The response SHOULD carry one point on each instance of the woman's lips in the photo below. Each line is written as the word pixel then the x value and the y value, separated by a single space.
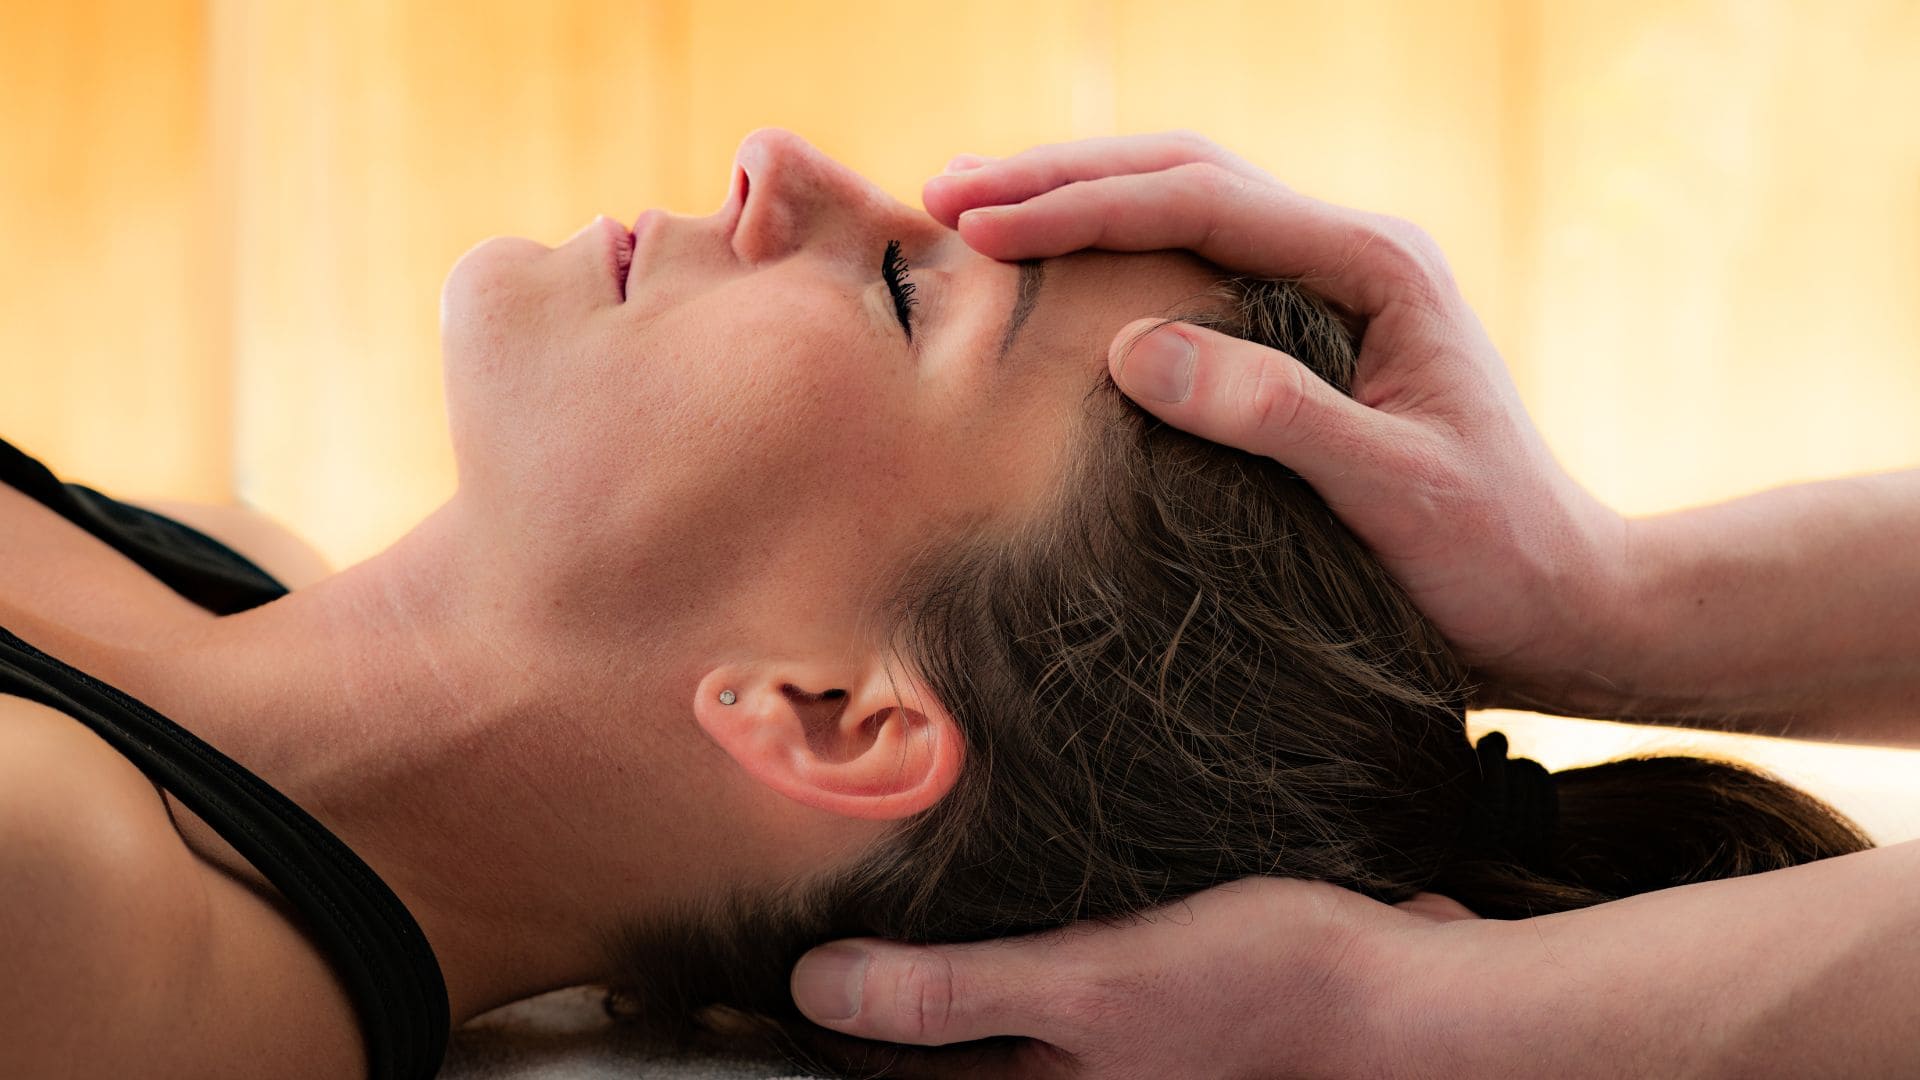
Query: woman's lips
pixel 619 251
pixel 637 239
pixel 642 226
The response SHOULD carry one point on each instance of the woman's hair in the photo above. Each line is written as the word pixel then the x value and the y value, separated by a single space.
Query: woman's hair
pixel 1189 673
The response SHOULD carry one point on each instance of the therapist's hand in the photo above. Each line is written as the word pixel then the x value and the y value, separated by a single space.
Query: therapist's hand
pixel 1264 977
pixel 1433 462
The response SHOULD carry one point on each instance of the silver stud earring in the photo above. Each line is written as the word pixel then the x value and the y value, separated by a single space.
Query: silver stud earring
pixel 727 698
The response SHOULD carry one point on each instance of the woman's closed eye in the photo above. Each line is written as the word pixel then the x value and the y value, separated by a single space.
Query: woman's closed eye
pixel 893 268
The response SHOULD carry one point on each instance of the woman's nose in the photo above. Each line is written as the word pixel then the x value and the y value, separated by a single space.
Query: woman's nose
pixel 796 195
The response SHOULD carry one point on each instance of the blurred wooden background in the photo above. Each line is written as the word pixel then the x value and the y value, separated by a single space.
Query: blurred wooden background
pixel 1692 227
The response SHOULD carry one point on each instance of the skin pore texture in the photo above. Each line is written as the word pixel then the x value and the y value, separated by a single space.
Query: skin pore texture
pixel 707 479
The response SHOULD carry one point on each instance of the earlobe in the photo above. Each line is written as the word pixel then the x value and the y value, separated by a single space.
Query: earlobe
pixel 876 745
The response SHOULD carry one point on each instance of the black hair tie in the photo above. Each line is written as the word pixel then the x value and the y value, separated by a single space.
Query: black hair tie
pixel 1516 807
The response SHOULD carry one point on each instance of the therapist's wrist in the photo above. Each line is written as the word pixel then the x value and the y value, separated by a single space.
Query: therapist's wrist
pixel 1637 656
pixel 1362 1001
pixel 1576 995
pixel 1586 598
pixel 1408 994
pixel 1416 999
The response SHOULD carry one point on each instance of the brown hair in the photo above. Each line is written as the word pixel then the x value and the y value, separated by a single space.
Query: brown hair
pixel 1190 673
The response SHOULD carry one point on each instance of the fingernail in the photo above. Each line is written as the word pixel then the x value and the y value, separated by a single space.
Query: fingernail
pixel 827 982
pixel 980 212
pixel 966 162
pixel 1159 367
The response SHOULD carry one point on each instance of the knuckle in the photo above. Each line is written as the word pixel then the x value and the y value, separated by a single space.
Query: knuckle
pixel 1207 188
pixel 1407 237
pixel 1185 143
pixel 1276 401
pixel 1207 179
pixel 924 996
pixel 1416 258
pixel 1193 142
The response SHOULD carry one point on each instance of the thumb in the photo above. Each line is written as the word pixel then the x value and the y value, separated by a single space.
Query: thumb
pixel 927 995
pixel 1248 396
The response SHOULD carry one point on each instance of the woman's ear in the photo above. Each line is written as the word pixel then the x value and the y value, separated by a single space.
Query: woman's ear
pixel 853 739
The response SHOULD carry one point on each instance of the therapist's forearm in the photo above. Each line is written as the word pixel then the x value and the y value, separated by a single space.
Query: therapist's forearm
pixel 1812 971
pixel 1793 612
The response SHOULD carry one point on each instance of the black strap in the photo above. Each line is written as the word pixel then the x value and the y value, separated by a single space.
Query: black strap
pixel 373 942
pixel 366 933
pixel 188 561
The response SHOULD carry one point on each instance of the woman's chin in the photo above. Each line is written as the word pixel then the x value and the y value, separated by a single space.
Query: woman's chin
pixel 490 315
pixel 494 277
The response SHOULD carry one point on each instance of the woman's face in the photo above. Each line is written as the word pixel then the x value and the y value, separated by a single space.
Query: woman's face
pixel 742 413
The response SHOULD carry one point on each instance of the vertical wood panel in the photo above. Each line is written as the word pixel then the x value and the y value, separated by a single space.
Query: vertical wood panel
pixel 877 84
pixel 112 303
pixel 1730 202
pixel 1397 106
pixel 374 144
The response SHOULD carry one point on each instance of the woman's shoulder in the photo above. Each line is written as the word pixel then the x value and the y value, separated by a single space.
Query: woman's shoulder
pixel 127 955
pixel 61 782
pixel 98 905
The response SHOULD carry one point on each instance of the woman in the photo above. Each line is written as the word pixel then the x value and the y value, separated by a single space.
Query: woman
pixel 805 578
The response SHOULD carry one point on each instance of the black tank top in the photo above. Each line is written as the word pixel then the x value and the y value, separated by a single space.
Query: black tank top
pixel 366 933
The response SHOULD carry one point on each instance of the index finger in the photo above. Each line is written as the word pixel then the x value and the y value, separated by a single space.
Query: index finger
pixel 1360 260
pixel 1042 168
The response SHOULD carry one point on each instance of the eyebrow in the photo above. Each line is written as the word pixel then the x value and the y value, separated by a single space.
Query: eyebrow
pixel 1026 294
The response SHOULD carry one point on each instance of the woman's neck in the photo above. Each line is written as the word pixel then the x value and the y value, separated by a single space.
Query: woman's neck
pixel 411 704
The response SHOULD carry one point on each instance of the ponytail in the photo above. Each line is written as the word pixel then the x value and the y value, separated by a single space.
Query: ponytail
pixel 1642 824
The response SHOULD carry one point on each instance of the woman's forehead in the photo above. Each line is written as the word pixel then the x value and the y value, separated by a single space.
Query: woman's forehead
pixel 1087 292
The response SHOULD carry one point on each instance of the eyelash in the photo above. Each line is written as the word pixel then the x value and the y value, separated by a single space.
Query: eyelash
pixel 895 270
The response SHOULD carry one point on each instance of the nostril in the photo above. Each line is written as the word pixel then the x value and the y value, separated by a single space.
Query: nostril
pixel 777 193
pixel 735 207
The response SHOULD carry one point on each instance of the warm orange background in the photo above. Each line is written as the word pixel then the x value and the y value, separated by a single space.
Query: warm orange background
pixel 1693 228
